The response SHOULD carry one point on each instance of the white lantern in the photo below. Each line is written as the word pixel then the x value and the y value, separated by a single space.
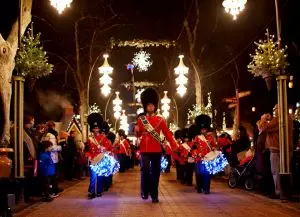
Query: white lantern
pixel 124 123
pixel 60 5
pixel 117 102
pixel 165 101
pixel 234 7
pixel 105 70
pixel 181 70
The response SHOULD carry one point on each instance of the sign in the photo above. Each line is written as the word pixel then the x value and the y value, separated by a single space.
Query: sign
pixel 232 105
pixel 245 93
pixel 230 100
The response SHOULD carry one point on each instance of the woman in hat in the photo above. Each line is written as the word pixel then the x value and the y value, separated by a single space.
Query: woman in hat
pixel 205 143
pixel 148 129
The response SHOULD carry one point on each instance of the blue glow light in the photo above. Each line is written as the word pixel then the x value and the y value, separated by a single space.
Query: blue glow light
pixel 217 165
pixel 163 164
pixel 107 166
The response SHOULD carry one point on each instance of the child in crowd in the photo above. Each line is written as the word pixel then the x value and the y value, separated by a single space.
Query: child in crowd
pixel 46 169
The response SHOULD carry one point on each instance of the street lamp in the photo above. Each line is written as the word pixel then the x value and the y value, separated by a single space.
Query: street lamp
pixel 234 7
pixel 165 101
pixel 181 70
pixel 253 109
pixel 60 5
pixel 117 102
pixel 105 70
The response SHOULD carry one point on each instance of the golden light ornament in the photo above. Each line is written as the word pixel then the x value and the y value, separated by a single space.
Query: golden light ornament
pixel 60 5
pixel 234 7
pixel 181 70
pixel 105 70
pixel 117 102
pixel 253 109
pixel 165 101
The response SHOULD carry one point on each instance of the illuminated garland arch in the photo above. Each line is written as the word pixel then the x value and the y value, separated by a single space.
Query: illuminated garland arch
pixel 141 43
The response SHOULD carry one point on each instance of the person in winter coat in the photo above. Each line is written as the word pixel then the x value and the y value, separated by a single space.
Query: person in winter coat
pixel 46 169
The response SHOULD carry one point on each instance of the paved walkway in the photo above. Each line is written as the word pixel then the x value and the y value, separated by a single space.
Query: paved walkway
pixel 175 200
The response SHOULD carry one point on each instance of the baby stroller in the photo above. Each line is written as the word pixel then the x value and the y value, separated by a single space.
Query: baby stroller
pixel 243 174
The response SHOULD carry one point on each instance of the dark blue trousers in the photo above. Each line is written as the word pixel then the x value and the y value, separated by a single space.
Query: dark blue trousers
pixel 202 178
pixel 150 173
pixel 96 183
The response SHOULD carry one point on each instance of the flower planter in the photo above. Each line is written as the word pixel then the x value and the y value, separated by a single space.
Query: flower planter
pixel 5 162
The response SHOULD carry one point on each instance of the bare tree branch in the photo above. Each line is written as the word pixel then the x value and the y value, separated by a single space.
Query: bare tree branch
pixel 197 22
pixel 77 73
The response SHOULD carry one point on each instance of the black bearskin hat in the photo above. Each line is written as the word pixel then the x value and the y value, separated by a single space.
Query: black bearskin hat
pixel 95 120
pixel 111 136
pixel 121 132
pixel 177 134
pixel 105 127
pixel 185 133
pixel 149 96
pixel 193 131
pixel 203 121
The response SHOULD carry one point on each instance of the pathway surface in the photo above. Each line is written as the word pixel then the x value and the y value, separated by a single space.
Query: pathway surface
pixel 175 200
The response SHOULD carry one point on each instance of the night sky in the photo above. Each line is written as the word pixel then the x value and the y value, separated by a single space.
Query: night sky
pixel 163 19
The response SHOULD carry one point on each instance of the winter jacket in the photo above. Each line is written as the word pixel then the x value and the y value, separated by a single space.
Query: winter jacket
pixel 54 149
pixel 46 165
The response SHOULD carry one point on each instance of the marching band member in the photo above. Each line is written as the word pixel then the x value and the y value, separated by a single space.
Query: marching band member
pixel 123 147
pixel 175 155
pixel 148 128
pixel 189 160
pixel 205 143
pixel 182 159
pixel 94 148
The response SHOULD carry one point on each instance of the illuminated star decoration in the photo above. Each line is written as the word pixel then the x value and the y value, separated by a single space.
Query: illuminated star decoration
pixel 142 60
pixel 61 5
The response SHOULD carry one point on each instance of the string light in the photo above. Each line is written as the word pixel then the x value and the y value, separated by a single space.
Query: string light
pixel 234 7
pixel 163 164
pixel 217 165
pixel 181 70
pixel 124 123
pixel 60 5
pixel 165 101
pixel 117 102
pixel 107 166
pixel 105 70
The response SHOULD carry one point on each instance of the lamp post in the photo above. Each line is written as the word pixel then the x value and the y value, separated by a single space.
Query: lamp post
pixel 181 70
pixel 105 70
pixel 60 5
pixel 165 101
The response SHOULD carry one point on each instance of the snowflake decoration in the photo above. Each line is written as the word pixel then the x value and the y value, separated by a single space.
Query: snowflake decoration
pixel 142 61
pixel 94 109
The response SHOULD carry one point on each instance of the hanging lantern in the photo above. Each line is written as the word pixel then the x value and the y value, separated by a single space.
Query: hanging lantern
pixel 234 7
pixel 60 5
pixel 124 123
pixel 117 102
pixel 165 101
pixel 181 70
pixel 105 70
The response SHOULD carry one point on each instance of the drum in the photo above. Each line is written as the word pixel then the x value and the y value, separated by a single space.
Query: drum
pixel 215 162
pixel 105 164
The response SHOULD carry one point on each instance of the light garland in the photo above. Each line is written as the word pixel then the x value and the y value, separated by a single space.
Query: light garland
pixel 268 59
pixel 117 102
pixel 105 70
pixel 138 43
pixel 217 165
pixel 141 84
pixel 163 164
pixel 234 7
pixel 60 5
pixel 142 61
pixel 107 166
pixel 165 101
pixel 181 70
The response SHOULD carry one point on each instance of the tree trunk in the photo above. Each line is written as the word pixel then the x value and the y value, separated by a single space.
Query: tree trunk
pixel 8 50
pixel 198 85
pixel 83 111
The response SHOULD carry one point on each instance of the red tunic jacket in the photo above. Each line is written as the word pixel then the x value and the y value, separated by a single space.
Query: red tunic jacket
pixel 94 150
pixel 124 147
pixel 148 144
pixel 202 147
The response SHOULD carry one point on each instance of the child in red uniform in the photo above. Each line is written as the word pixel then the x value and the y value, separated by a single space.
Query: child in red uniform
pixel 205 143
